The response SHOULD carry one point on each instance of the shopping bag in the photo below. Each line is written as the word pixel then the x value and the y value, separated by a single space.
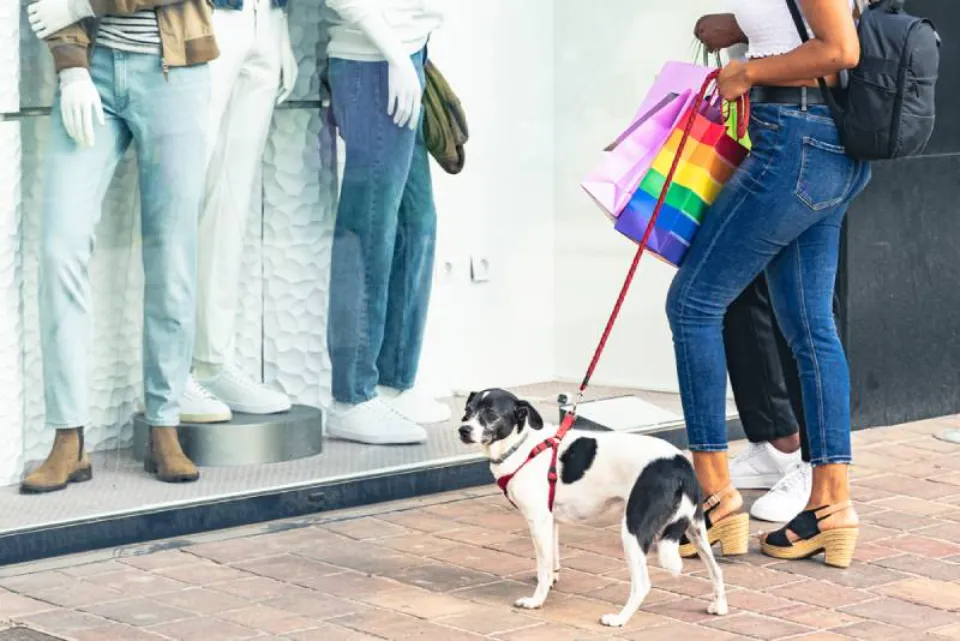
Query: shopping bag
pixel 707 161
pixel 627 159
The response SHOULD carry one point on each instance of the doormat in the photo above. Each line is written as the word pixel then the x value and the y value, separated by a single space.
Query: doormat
pixel 25 634
pixel 623 414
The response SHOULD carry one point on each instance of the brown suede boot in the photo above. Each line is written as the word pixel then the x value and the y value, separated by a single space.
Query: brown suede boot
pixel 67 463
pixel 166 458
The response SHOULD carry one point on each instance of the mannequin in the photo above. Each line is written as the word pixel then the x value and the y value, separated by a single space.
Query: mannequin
pixel 382 258
pixel 256 70
pixel 147 83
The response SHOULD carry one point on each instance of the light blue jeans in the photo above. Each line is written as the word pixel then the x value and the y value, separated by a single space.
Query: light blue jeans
pixel 780 213
pixel 164 117
pixel 383 244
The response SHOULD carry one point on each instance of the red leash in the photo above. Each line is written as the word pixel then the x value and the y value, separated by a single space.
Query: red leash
pixel 553 443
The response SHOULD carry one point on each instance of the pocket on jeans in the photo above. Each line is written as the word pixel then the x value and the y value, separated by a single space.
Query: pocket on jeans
pixel 827 174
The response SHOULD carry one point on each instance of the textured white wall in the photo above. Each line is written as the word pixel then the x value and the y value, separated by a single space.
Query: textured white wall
pixel 606 63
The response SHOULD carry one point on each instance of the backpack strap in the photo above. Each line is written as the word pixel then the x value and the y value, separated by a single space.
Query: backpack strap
pixel 805 37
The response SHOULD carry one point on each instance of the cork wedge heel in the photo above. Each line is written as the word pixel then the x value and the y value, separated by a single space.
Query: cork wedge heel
pixel 837 545
pixel 732 532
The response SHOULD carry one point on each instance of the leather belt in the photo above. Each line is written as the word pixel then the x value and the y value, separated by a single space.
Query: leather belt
pixel 787 96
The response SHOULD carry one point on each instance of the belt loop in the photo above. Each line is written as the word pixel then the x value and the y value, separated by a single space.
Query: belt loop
pixel 803 98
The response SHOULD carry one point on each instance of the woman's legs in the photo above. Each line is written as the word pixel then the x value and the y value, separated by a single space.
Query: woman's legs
pixel 796 177
pixel 802 279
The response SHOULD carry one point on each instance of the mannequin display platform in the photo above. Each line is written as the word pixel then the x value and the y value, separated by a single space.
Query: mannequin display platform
pixel 147 87
pixel 256 71
pixel 385 233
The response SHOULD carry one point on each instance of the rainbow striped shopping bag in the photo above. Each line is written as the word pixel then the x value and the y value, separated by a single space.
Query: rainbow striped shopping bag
pixel 709 159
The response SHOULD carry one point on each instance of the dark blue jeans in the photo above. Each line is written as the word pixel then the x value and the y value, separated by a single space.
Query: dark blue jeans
pixel 384 239
pixel 780 214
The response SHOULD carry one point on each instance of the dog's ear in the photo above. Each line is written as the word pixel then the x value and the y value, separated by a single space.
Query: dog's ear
pixel 470 398
pixel 525 413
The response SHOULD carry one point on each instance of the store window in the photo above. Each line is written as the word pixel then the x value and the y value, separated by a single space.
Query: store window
pixel 174 280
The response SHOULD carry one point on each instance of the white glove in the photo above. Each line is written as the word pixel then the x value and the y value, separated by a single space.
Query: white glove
pixel 79 102
pixel 406 94
pixel 288 64
pixel 50 16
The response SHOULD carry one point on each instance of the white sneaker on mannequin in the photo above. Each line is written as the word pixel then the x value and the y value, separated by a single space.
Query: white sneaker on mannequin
pixel 415 406
pixel 197 405
pixel 372 423
pixel 241 394
pixel 787 498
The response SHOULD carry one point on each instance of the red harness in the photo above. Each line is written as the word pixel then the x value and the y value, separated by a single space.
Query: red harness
pixel 553 442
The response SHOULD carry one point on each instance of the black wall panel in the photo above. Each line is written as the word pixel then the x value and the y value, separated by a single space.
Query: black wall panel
pixel 900 269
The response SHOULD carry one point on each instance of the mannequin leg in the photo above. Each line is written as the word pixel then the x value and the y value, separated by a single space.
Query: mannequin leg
pixel 168 120
pixel 245 91
pixel 75 183
pixel 236 122
pixel 411 278
pixel 378 161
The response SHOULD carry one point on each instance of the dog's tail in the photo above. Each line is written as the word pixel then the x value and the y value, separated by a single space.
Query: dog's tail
pixel 668 549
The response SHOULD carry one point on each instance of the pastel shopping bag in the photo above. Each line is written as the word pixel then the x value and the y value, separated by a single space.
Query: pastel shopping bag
pixel 627 159
pixel 708 160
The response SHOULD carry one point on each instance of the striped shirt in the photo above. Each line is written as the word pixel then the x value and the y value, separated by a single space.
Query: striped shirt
pixel 136 33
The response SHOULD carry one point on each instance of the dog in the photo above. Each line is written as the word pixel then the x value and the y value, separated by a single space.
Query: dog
pixel 598 474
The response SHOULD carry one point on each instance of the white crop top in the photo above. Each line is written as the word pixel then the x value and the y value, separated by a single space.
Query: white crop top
pixel 768 26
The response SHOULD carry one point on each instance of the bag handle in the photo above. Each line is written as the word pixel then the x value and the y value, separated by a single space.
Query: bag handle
pixel 805 37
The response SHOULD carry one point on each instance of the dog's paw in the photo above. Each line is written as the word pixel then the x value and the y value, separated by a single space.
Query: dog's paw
pixel 718 607
pixel 528 603
pixel 613 620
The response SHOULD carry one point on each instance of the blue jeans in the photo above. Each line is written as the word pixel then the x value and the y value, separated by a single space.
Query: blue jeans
pixel 780 213
pixel 165 119
pixel 383 245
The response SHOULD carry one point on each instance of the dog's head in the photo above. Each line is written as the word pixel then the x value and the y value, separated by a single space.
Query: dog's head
pixel 494 414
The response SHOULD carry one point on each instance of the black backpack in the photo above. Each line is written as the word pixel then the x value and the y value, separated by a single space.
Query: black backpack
pixel 887 110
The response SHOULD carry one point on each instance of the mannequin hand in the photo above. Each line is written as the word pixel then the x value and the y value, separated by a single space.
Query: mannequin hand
pixel 406 94
pixel 79 102
pixel 50 16
pixel 288 65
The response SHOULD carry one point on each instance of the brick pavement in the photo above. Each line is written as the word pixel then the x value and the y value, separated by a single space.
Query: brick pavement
pixel 447 568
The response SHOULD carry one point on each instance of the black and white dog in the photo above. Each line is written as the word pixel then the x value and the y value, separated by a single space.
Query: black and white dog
pixel 645 479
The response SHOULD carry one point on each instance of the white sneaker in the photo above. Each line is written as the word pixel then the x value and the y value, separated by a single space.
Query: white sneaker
pixel 244 395
pixel 761 466
pixel 372 423
pixel 415 406
pixel 197 405
pixel 787 498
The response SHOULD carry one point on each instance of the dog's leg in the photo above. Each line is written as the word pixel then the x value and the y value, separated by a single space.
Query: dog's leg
pixel 697 533
pixel 639 580
pixel 556 551
pixel 542 530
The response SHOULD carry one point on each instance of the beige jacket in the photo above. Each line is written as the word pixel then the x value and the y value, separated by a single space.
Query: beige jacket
pixel 186 32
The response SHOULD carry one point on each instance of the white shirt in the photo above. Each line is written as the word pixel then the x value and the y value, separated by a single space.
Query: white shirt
pixel 768 26
pixel 411 20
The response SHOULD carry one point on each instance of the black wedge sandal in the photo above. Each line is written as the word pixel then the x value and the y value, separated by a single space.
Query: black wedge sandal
pixel 838 544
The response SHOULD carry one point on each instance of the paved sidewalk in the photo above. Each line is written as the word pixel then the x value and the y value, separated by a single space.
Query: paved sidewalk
pixel 448 567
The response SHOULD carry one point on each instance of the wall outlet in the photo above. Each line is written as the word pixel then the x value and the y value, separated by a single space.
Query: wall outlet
pixel 479 268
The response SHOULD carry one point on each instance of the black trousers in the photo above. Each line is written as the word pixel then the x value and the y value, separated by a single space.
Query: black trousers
pixel 763 372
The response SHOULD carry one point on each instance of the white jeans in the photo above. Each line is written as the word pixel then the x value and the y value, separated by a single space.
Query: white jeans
pixel 245 79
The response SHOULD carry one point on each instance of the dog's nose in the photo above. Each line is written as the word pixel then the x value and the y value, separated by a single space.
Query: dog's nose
pixel 465 431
